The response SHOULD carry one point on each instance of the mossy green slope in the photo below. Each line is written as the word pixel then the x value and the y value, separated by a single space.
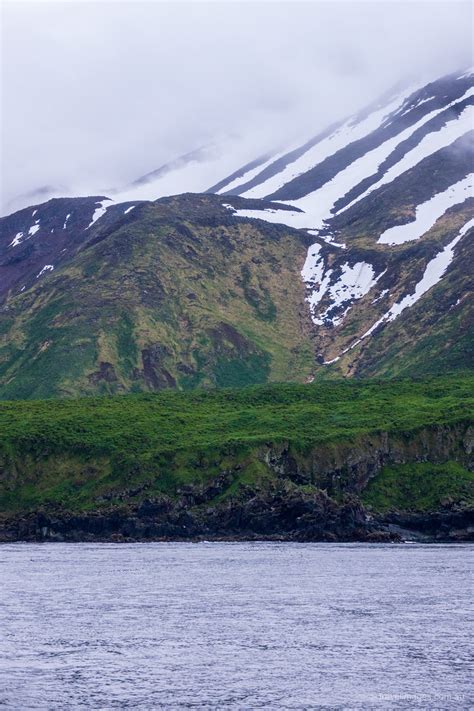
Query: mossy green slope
pixel 420 486
pixel 182 296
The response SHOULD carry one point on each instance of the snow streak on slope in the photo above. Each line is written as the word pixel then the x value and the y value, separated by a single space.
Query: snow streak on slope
pixel 429 212
pixel 349 132
pixel 434 272
pixel 34 229
pixel 249 174
pixel 16 240
pixel 317 207
pixel 46 268
pixel 320 203
pixel 431 143
pixel 292 218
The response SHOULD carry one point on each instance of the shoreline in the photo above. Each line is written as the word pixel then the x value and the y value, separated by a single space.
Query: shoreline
pixel 372 538
pixel 273 521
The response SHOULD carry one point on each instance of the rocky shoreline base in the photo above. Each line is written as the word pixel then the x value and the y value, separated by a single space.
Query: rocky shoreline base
pixel 290 518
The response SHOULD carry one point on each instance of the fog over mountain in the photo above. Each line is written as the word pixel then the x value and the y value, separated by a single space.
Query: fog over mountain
pixel 97 94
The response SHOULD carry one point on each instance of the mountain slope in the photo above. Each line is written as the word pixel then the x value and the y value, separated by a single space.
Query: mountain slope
pixel 343 163
pixel 362 268
pixel 384 209
pixel 176 293
pixel 40 238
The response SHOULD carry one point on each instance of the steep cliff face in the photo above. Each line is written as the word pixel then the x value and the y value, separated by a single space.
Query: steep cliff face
pixel 334 491
pixel 347 467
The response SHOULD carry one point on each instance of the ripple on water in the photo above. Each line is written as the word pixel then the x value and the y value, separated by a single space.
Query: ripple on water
pixel 244 626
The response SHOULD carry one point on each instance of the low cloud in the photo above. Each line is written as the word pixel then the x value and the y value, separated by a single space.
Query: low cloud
pixel 96 94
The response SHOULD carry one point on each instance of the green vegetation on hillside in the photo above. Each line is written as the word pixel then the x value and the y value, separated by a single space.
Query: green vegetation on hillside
pixel 420 486
pixel 72 452
pixel 183 296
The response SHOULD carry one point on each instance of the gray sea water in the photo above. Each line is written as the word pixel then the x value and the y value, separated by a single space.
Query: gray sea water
pixel 235 626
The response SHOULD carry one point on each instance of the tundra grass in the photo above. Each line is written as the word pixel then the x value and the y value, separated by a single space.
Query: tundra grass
pixel 72 451
pixel 420 486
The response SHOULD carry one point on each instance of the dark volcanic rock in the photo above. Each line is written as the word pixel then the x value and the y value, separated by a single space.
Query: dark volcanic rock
pixel 275 514
pixel 105 373
pixel 456 525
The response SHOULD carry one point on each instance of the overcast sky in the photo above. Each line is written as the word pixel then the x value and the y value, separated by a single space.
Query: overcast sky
pixel 97 93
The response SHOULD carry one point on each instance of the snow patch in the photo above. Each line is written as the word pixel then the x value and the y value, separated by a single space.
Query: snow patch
pixel 46 268
pixel 249 175
pixel 429 212
pixel 99 211
pixel 317 282
pixel 66 220
pixel 291 218
pixel 16 240
pixel 129 209
pixel 353 283
pixel 33 229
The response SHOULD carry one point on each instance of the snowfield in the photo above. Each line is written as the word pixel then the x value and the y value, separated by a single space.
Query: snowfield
pixel 429 212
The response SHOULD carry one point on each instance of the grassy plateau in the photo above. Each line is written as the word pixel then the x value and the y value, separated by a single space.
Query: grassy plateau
pixel 77 453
